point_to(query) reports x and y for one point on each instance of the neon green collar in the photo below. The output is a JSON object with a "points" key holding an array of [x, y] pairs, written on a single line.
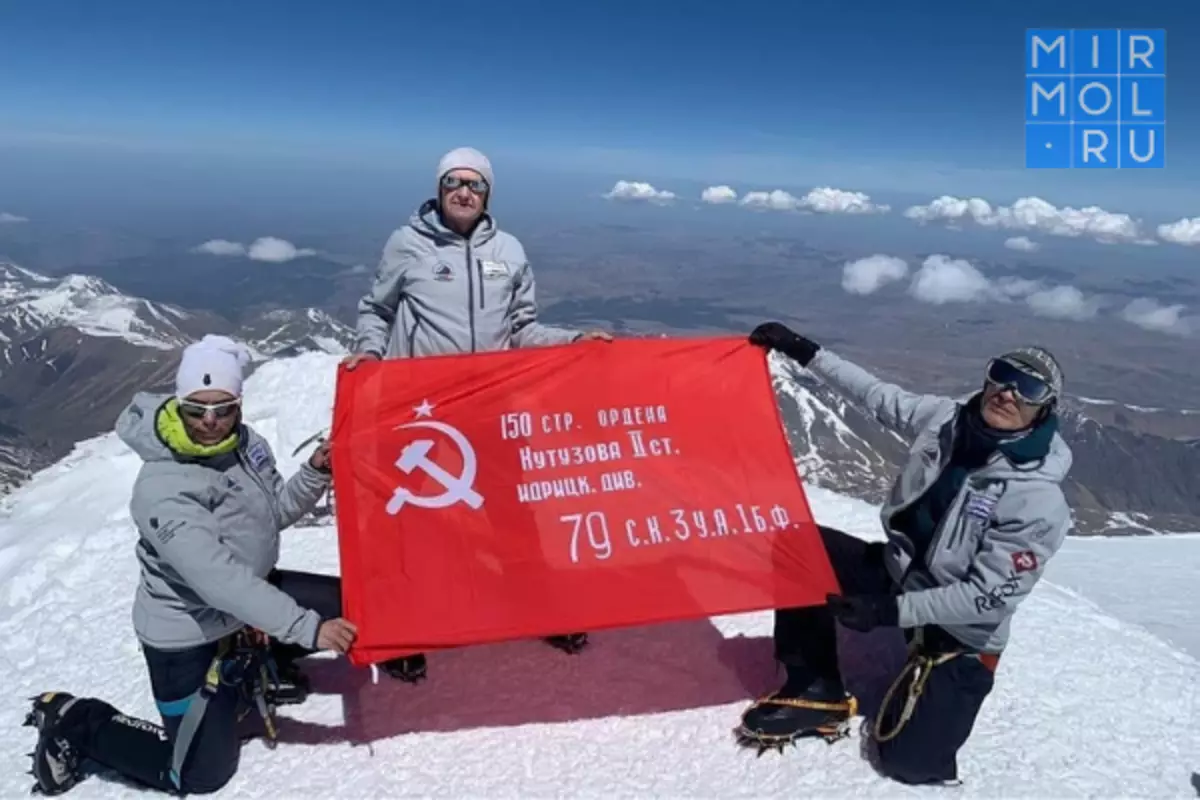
{"points": [[174, 435]]}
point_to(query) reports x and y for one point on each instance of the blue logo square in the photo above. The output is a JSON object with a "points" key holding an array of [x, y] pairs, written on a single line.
{"points": [[1048, 146], [1143, 146], [1143, 99], [1143, 51], [1048, 99], [1096, 99], [1095, 52], [1048, 51], [1096, 146]]}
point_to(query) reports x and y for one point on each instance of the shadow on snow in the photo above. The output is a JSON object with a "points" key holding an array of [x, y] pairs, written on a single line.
{"points": [[630, 672]]}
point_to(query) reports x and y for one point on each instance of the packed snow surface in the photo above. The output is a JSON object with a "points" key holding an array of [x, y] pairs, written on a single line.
{"points": [[1087, 704]]}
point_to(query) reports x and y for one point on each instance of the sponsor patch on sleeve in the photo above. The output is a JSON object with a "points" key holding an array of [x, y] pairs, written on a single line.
{"points": [[1024, 561]]}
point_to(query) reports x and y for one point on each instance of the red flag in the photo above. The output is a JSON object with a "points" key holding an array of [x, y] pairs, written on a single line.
{"points": [[552, 490]]}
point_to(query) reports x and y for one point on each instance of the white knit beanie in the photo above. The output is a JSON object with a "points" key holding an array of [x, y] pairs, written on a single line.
{"points": [[213, 363], [466, 158]]}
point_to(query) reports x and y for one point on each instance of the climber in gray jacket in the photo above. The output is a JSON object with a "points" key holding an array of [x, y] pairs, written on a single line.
{"points": [[208, 505], [971, 522], [450, 281]]}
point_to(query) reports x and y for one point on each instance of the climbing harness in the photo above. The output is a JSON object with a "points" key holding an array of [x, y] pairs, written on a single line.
{"points": [[920, 665], [243, 663]]}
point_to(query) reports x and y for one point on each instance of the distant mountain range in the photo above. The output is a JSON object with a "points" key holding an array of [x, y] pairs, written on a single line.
{"points": [[73, 349]]}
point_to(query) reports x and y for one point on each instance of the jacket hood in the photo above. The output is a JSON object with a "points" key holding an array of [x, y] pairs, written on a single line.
{"points": [[136, 427], [426, 221], [150, 425]]}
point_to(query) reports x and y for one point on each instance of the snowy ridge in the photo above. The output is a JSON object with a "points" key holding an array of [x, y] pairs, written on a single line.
{"points": [[31, 303], [1094, 401], [286, 332], [1084, 705], [829, 450]]}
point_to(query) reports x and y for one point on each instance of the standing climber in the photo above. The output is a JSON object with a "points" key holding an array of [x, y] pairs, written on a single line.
{"points": [[974, 516], [450, 281]]}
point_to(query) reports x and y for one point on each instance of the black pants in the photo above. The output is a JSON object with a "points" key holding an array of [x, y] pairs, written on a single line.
{"points": [[142, 751], [927, 747]]}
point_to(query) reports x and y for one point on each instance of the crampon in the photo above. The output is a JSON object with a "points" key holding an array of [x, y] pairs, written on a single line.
{"points": [[774, 722]]}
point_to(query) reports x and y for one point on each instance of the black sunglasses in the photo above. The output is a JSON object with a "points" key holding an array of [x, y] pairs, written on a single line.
{"points": [[452, 182]]}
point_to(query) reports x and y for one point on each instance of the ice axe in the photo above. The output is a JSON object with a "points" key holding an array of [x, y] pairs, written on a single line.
{"points": [[319, 436]]}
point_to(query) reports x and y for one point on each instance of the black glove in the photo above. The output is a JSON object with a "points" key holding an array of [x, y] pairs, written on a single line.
{"points": [[777, 336], [865, 612]]}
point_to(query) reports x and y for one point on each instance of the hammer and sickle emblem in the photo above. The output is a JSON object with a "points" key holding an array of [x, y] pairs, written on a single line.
{"points": [[415, 455]]}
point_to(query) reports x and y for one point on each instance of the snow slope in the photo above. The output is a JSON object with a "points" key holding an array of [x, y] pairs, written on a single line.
{"points": [[1085, 705]]}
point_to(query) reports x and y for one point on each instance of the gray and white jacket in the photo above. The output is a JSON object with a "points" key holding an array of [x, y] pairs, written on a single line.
{"points": [[209, 535], [436, 292], [993, 543]]}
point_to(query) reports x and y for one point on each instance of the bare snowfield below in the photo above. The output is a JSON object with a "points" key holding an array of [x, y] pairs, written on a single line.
{"points": [[1091, 699]]}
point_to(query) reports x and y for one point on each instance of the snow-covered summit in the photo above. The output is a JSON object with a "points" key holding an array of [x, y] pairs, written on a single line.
{"points": [[1085, 705], [31, 303]]}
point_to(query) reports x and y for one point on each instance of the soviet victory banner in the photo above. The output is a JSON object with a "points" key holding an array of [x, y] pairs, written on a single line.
{"points": [[528, 493]]}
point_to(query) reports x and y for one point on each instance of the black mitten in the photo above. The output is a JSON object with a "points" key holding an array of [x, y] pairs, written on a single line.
{"points": [[777, 336], [865, 612]]}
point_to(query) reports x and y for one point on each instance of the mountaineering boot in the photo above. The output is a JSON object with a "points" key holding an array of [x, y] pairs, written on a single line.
{"points": [[410, 669], [800, 709], [55, 758], [568, 642]]}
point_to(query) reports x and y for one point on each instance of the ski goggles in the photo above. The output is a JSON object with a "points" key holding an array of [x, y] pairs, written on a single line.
{"points": [[452, 183], [1032, 389], [227, 408]]}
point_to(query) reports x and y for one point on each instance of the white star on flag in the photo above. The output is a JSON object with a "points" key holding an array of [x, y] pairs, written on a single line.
{"points": [[423, 410]]}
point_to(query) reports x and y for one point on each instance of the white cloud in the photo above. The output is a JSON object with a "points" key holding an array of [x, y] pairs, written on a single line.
{"points": [[718, 195], [942, 279], [1017, 287], [637, 190], [222, 247], [826, 200], [1022, 243], [1184, 231], [867, 275], [1148, 314], [265, 248], [1034, 214], [822, 200], [777, 200], [1063, 302], [11, 219], [276, 251]]}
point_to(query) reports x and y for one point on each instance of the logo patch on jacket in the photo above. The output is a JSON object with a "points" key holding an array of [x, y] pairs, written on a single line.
{"points": [[980, 506], [1024, 561], [495, 269], [442, 272], [258, 456]]}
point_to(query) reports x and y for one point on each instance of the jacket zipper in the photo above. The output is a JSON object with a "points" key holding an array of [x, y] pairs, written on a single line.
{"points": [[482, 286], [471, 296]]}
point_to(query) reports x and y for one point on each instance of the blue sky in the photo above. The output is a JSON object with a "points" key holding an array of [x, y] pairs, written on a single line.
{"points": [[878, 96]]}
